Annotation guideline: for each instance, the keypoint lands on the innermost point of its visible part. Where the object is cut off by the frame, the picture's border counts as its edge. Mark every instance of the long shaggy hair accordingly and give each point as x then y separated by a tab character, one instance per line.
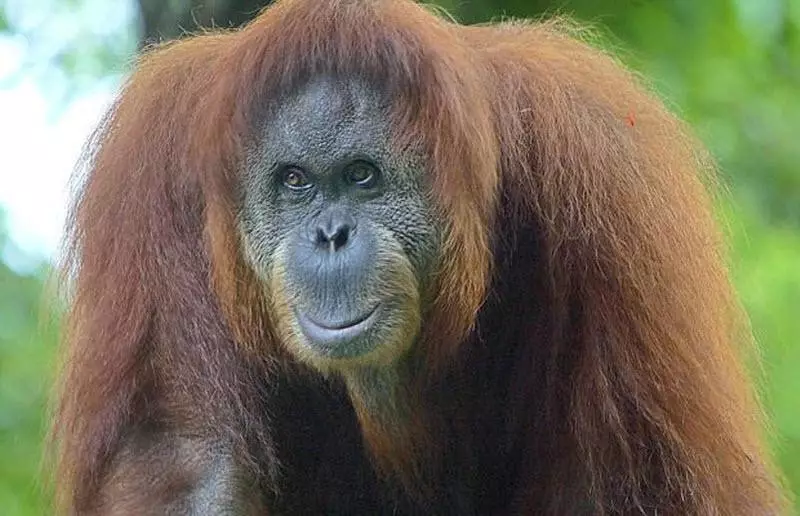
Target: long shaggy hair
580	243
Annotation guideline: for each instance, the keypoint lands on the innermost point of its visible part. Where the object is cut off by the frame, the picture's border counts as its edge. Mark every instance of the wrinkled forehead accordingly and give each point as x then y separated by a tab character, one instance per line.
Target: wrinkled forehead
328	117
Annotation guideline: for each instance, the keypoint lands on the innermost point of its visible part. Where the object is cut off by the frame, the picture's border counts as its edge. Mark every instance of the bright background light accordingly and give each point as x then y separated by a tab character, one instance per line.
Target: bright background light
39	151
49	105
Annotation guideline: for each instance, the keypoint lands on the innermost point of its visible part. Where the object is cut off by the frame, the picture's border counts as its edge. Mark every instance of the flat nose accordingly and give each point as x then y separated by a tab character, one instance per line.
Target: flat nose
334	230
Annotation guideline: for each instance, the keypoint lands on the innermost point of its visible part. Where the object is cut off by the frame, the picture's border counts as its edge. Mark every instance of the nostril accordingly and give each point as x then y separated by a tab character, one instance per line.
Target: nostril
341	237
333	239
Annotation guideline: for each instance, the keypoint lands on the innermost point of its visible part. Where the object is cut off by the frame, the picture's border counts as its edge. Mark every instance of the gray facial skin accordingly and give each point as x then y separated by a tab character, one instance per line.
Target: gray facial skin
340	217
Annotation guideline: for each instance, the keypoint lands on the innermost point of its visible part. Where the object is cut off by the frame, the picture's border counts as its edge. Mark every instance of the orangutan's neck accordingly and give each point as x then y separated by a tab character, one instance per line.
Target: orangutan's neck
394	422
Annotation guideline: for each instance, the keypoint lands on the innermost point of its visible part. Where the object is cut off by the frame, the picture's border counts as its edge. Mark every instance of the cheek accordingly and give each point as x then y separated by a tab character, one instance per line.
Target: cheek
262	223
410	221
261	234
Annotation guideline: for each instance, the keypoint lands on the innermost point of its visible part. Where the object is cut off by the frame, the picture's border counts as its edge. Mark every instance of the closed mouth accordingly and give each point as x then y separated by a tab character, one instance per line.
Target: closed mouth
332	333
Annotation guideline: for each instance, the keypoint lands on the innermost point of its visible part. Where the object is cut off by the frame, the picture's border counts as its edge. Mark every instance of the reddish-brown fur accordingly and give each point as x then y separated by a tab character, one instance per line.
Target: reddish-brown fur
628	381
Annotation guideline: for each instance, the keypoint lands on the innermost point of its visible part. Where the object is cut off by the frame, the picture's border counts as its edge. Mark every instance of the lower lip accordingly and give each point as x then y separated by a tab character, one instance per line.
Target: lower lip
327	336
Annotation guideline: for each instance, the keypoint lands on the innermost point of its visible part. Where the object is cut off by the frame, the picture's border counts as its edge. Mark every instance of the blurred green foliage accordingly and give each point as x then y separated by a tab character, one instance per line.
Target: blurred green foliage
730	67
27	344
766	270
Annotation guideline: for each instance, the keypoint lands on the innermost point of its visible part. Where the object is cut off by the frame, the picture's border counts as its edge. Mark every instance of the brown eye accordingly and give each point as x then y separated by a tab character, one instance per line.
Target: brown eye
295	178
361	174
